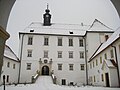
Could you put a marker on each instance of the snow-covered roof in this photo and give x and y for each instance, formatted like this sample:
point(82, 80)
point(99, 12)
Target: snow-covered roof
point(111, 39)
point(59, 29)
point(65, 29)
point(99, 26)
point(10, 54)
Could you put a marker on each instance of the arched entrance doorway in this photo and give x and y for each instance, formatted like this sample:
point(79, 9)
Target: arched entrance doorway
point(45, 70)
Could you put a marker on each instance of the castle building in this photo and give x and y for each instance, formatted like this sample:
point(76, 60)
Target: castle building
point(60, 49)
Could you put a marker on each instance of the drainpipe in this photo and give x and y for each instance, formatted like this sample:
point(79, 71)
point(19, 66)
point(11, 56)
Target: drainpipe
point(20, 58)
point(86, 61)
point(117, 65)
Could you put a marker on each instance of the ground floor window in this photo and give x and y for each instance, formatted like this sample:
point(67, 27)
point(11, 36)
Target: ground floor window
point(7, 79)
point(63, 81)
point(102, 77)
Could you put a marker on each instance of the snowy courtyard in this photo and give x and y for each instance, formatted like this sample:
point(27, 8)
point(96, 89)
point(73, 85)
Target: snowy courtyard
point(45, 83)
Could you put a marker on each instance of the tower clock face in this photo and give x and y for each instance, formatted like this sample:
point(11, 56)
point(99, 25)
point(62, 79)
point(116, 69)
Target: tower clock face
point(47, 15)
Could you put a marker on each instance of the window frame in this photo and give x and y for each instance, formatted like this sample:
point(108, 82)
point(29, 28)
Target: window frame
point(30, 40)
point(60, 41)
point(28, 67)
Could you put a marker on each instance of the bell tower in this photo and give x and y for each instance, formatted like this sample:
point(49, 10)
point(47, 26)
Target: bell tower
point(47, 17)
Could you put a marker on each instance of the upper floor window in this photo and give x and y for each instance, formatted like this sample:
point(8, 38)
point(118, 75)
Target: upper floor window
point(8, 64)
point(59, 54)
point(45, 54)
point(29, 53)
point(100, 60)
point(90, 65)
point(59, 66)
point(59, 41)
point(105, 56)
point(96, 62)
point(82, 54)
point(70, 54)
point(70, 66)
point(13, 66)
point(82, 66)
point(81, 42)
point(70, 42)
point(94, 79)
point(28, 66)
point(46, 41)
point(93, 64)
point(111, 53)
point(30, 40)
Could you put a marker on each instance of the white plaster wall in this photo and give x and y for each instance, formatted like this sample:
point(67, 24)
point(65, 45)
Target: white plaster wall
point(38, 48)
point(113, 78)
point(13, 73)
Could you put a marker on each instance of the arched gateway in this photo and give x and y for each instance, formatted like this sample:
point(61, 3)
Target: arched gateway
point(45, 70)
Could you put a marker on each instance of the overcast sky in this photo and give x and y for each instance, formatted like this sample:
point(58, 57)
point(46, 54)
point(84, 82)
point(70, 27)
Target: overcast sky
point(63, 11)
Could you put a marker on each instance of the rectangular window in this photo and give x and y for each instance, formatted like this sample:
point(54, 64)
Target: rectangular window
point(45, 54)
point(70, 42)
point(59, 54)
point(28, 66)
point(102, 77)
point(82, 66)
point(63, 81)
point(94, 79)
point(71, 67)
point(29, 53)
point(30, 40)
point(46, 41)
point(70, 54)
point(105, 56)
point(96, 62)
point(81, 42)
point(7, 80)
point(8, 64)
point(100, 60)
point(93, 64)
point(59, 66)
point(81, 54)
point(13, 66)
point(59, 41)
point(90, 65)
point(111, 53)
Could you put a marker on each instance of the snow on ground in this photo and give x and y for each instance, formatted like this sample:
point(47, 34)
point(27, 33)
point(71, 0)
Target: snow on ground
point(45, 83)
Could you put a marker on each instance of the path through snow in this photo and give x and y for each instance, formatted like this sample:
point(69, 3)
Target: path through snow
point(45, 83)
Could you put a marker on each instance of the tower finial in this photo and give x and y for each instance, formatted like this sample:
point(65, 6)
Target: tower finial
point(47, 5)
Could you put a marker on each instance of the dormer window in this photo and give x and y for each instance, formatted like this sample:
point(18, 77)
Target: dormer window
point(71, 32)
point(31, 30)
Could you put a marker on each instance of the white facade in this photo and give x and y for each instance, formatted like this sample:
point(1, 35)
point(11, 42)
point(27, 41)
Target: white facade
point(10, 66)
point(33, 51)
point(38, 48)
point(104, 62)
